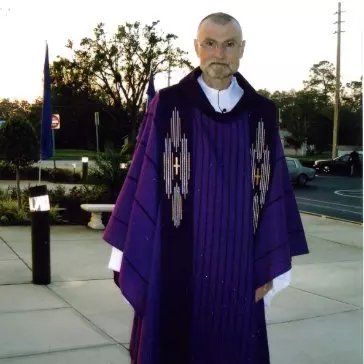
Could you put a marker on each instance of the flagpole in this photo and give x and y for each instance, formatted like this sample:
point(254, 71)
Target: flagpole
point(46, 144)
point(40, 146)
point(40, 170)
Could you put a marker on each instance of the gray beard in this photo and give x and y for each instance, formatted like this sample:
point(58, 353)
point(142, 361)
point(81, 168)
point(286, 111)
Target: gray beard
point(225, 73)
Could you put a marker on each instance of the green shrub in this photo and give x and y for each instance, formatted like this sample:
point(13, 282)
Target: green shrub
point(10, 214)
point(71, 201)
point(7, 172)
point(108, 171)
point(65, 206)
point(60, 175)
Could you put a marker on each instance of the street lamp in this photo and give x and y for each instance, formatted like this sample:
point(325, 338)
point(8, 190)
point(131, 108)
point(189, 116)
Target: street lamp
point(84, 168)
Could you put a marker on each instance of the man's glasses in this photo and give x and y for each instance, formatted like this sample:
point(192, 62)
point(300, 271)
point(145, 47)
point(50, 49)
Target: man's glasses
point(229, 46)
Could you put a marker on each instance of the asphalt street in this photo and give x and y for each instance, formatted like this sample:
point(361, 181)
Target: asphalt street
point(334, 196)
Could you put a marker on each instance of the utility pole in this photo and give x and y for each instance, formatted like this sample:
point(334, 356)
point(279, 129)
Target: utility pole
point(169, 73)
point(337, 88)
point(169, 66)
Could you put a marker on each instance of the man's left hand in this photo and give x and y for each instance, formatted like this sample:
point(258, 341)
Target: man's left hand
point(262, 291)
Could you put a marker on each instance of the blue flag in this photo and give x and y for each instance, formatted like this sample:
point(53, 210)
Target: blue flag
point(46, 149)
point(150, 89)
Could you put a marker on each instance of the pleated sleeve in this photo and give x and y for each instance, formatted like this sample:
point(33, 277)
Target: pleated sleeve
point(280, 234)
point(132, 225)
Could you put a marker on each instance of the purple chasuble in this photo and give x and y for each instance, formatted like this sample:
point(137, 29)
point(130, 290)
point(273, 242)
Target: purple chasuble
point(206, 215)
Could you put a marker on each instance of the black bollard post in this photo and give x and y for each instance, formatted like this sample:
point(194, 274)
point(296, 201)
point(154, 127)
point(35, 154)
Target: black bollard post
point(39, 207)
point(84, 169)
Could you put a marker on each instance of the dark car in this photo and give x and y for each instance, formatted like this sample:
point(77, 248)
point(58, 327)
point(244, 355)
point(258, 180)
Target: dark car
point(339, 165)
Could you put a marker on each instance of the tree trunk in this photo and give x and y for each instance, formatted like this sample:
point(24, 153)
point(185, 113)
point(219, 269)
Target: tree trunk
point(18, 192)
point(133, 132)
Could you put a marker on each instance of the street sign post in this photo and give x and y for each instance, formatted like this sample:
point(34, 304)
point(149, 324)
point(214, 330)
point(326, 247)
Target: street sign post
point(97, 123)
point(56, 124)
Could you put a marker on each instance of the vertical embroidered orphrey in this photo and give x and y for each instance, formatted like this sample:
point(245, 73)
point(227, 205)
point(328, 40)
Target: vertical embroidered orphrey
point(177, 167)
point(260, 164)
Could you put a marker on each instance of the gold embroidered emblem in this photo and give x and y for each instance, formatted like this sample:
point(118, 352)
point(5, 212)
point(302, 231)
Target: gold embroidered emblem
point(260, 166)
point(177, 167)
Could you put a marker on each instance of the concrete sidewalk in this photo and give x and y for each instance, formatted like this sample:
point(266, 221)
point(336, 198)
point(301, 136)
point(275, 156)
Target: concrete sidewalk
point(82, 318)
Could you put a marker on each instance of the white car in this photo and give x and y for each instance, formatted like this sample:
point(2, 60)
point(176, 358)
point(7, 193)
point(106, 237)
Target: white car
point(298, 173)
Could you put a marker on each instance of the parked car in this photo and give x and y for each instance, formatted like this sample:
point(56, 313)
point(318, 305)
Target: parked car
point(339, 165)
point(298, 173)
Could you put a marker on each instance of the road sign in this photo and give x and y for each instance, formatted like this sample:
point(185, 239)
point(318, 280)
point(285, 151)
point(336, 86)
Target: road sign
point(56, 121)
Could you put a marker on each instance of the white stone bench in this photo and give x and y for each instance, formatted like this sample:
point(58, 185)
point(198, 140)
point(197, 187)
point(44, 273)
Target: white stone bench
point(96, 214)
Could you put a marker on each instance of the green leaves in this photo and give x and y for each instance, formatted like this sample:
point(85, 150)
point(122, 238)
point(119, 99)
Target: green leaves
point(19, 144)
point(308, 113)
point(114, 69)
point(108, 169)
point(322, 79)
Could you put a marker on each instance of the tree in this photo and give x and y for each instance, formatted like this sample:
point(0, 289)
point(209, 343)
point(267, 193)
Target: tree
point(353, 95)
point(10, 108)
point(351, 114)
point(34, 116)
point(322, 80)
point(264, 92)
point(115, 70)
point(19, 146)
point(296, 123)
point(351, 126)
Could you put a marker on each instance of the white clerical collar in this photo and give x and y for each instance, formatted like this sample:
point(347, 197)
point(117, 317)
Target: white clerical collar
point(222, 100)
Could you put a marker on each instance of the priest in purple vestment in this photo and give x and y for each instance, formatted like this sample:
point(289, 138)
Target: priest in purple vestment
point(205, 227)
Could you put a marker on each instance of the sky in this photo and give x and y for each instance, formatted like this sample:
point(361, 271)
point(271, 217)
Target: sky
point(284, 38)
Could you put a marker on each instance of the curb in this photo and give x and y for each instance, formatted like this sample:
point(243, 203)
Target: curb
point(331, 218)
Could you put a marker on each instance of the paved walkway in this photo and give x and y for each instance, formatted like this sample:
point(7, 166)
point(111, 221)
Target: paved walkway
point(81, 317)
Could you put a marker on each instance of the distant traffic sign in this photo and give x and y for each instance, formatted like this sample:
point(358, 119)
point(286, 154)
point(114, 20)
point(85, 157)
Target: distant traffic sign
point(56, 121)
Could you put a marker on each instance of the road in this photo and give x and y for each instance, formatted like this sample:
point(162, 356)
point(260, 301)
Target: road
point(65, 164)
point(339, 197)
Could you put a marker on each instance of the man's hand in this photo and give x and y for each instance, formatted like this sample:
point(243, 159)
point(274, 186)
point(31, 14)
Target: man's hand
point(262, 291)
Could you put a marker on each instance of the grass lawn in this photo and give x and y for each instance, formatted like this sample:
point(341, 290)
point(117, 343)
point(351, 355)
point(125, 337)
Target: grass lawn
point(71, 154)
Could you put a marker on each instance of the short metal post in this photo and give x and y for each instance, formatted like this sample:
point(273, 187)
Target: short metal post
point(39, 207)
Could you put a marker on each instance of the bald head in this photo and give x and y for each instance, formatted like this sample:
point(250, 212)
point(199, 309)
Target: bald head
point(220, 19)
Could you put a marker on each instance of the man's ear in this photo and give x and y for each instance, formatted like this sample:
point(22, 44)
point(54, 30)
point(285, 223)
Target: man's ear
point(196, 47)
point(242, 49)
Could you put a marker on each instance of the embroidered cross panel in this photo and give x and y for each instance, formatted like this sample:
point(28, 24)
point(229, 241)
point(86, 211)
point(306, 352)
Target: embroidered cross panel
point(177, 167)
point(260, 166)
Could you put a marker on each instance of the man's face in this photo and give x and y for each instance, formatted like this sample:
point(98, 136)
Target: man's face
point(220, 48)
